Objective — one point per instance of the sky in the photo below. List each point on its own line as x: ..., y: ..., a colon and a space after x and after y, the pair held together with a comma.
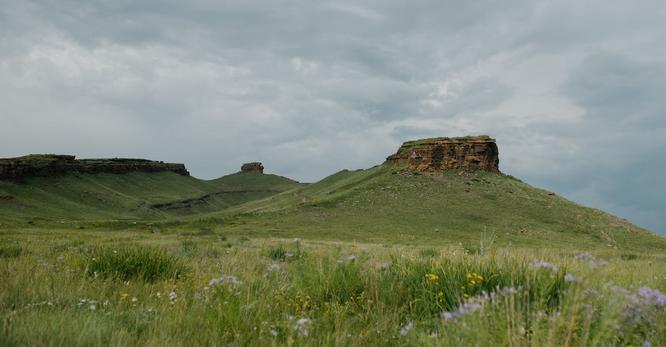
x: 573, y: 91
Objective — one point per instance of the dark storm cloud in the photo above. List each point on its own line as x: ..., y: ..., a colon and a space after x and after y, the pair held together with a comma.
x: 571, y: 90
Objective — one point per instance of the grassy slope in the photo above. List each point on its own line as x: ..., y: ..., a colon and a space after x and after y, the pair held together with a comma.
x: 131, y: 196
x: 379, y: 205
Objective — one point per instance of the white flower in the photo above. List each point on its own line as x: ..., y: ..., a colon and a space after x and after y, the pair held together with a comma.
x: 405, y: 330
x: 302, y: 326
x: 224, y: 279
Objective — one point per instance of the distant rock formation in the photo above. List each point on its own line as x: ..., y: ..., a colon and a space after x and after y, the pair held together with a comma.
x: 252, y: 167
x: 468, y: 153
x: 47, y: 165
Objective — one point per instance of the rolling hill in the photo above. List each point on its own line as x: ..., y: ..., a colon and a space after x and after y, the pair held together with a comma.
x: 130, y: 194
x: 442, y: 190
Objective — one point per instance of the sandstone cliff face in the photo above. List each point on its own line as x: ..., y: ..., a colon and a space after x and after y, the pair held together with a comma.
x: 48, y: 165
x: 253, y: 167
x: 469, y: 153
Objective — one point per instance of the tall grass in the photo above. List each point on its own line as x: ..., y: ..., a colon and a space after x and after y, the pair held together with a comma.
x: 10, y: 251
x: 331, y: 294
x: 131, y: 262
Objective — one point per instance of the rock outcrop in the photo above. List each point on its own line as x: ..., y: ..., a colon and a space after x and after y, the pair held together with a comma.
x: 469, y: 153
x: 47, y: 165
x: 253, y: 167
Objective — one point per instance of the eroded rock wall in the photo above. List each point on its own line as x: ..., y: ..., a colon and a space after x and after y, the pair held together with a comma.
x: 253, y: 167
x: 469, y: 153
x: 47, y: 165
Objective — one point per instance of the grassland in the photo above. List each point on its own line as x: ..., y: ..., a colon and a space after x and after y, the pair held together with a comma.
x: 206, y: 287
x: 366, y: 257
x: 132, y: 196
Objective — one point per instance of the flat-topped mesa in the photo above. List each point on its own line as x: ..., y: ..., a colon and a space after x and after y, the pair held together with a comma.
x: 48, y: 165
x: 252, y: 167
x: 470, y: 153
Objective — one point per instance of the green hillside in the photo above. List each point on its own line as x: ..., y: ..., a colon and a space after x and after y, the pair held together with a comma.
x: 134, y: 195
x: 381, y: 204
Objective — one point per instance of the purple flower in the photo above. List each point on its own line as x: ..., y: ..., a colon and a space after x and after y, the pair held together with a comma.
x: 542, y: 264
x: 584, y: 256
x: 569, y: 278
x: 477, y: 303
x: 651, y: 296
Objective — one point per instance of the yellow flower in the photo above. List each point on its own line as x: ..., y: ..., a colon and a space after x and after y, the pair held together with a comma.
x: 124, y: 296
x: 440, y: 294
x: 466, y: 295
x: 432, y: 277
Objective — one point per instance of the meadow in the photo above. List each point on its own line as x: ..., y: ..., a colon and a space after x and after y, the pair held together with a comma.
x: 183, y: 286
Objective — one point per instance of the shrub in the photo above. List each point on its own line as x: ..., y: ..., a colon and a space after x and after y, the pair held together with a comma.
x: 131, y: 262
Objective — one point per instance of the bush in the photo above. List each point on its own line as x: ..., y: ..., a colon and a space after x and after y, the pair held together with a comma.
x: 131, y: 262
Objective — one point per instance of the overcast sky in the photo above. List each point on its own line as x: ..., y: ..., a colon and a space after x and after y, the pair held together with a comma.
x: 573, y: 91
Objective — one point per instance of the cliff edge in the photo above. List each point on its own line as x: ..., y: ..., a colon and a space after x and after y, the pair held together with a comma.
x: 470, y: 153
x: 48, y: 165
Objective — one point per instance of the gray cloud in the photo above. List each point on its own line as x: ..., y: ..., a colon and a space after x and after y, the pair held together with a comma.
x: 571, y: 90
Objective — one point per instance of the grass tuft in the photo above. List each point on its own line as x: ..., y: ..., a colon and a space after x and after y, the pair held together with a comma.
x: 10, y: 251
x: 131, y: 262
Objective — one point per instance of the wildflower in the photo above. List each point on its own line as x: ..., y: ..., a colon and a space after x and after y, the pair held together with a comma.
x: 158, y: 295
x: 405, y: 330
x: 93, y: 306
x: 592, y: 262
x: 584, y: 256
x: 474, y: 276
x: 592, y: 293
x: 569, y: 277
x: 124, y: 296
x: 477, y: 303
x: 302, y: 326
x: 274, y: 332
x: 432, y: 277
x: 173, y: 297
x: 652, y: 296
x: 134, y: 299
x: 352, y: 257
x: 542, y: 264
x: 232, y: 280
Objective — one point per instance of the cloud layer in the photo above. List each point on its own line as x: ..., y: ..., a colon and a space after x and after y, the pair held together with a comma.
x: 573, y: 91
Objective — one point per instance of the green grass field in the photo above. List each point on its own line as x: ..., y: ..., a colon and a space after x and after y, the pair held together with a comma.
x: 366, y: 257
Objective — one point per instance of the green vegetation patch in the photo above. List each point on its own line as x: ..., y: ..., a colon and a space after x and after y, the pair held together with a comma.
x: 131, y: 262
x: 10, y: 251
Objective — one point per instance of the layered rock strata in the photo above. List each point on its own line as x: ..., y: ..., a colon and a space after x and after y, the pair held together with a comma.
x: 470, y: 153
x: 47, y: 165
x: 253, y: 167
